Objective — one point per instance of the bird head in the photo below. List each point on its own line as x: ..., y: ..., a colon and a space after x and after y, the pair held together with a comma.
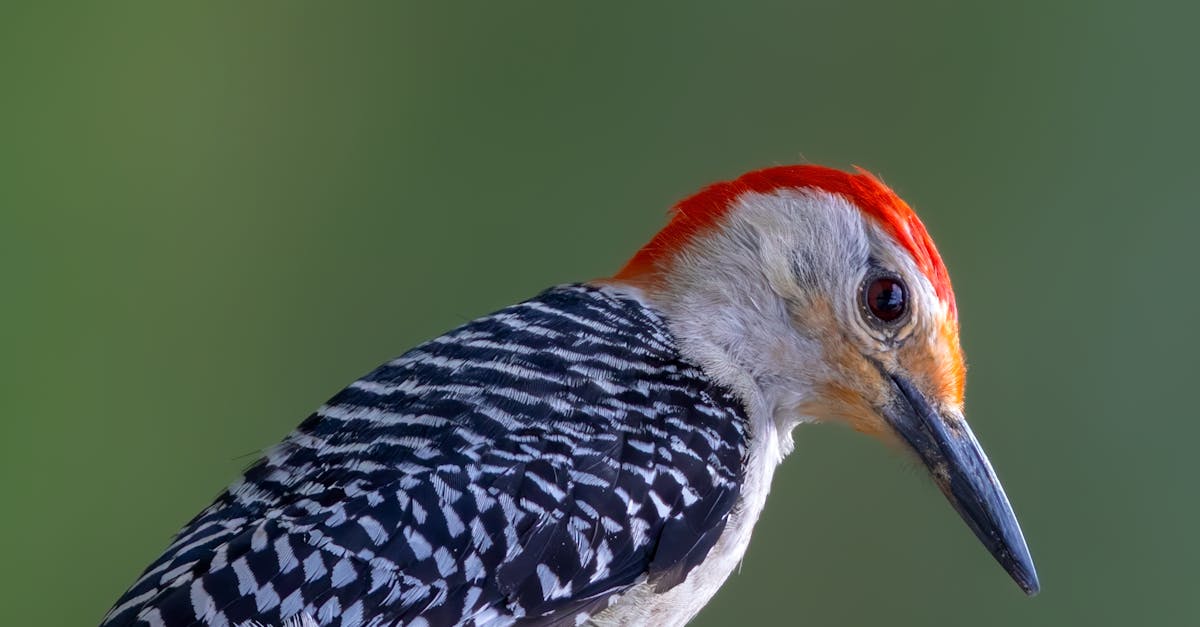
x: 818, y: 295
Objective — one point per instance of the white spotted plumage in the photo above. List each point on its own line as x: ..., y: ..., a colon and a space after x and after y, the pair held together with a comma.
x: 487, y: 474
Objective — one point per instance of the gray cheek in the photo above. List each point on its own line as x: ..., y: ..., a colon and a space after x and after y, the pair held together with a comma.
x: 807, y: 270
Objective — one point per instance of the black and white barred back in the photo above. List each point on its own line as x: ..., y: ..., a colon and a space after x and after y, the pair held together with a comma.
x: 525, y: 468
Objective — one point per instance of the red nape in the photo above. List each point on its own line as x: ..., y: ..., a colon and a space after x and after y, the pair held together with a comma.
x: 706, y: 208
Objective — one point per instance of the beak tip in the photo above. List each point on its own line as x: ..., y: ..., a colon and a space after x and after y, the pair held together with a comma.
x: 1031, y: 586
x: 1023, y: 572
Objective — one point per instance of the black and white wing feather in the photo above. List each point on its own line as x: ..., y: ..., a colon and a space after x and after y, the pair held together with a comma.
x: 525, y: 468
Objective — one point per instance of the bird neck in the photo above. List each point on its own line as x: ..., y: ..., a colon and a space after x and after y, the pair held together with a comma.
x: 712, y: 330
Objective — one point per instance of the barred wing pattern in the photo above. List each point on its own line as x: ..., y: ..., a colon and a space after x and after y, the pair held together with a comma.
x: 525, y: 468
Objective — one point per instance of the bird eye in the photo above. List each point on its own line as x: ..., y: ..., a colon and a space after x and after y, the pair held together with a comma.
x: 885, y: 298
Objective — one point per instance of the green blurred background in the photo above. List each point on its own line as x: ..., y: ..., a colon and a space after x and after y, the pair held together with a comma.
x: 215, y: 215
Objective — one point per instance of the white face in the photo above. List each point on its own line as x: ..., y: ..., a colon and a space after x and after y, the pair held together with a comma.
x: 773, y: 301
x: 811, y: 311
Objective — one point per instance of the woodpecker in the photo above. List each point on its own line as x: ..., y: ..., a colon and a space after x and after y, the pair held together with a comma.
x: 600, y: 453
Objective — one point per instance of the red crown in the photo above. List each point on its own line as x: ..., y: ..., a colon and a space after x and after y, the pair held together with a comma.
x: 705, y: 209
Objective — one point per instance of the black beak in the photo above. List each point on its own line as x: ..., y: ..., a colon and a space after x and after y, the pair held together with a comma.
x: 960, y: 468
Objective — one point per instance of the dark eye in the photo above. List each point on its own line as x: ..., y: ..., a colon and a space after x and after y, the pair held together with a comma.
x: 885, y: 298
